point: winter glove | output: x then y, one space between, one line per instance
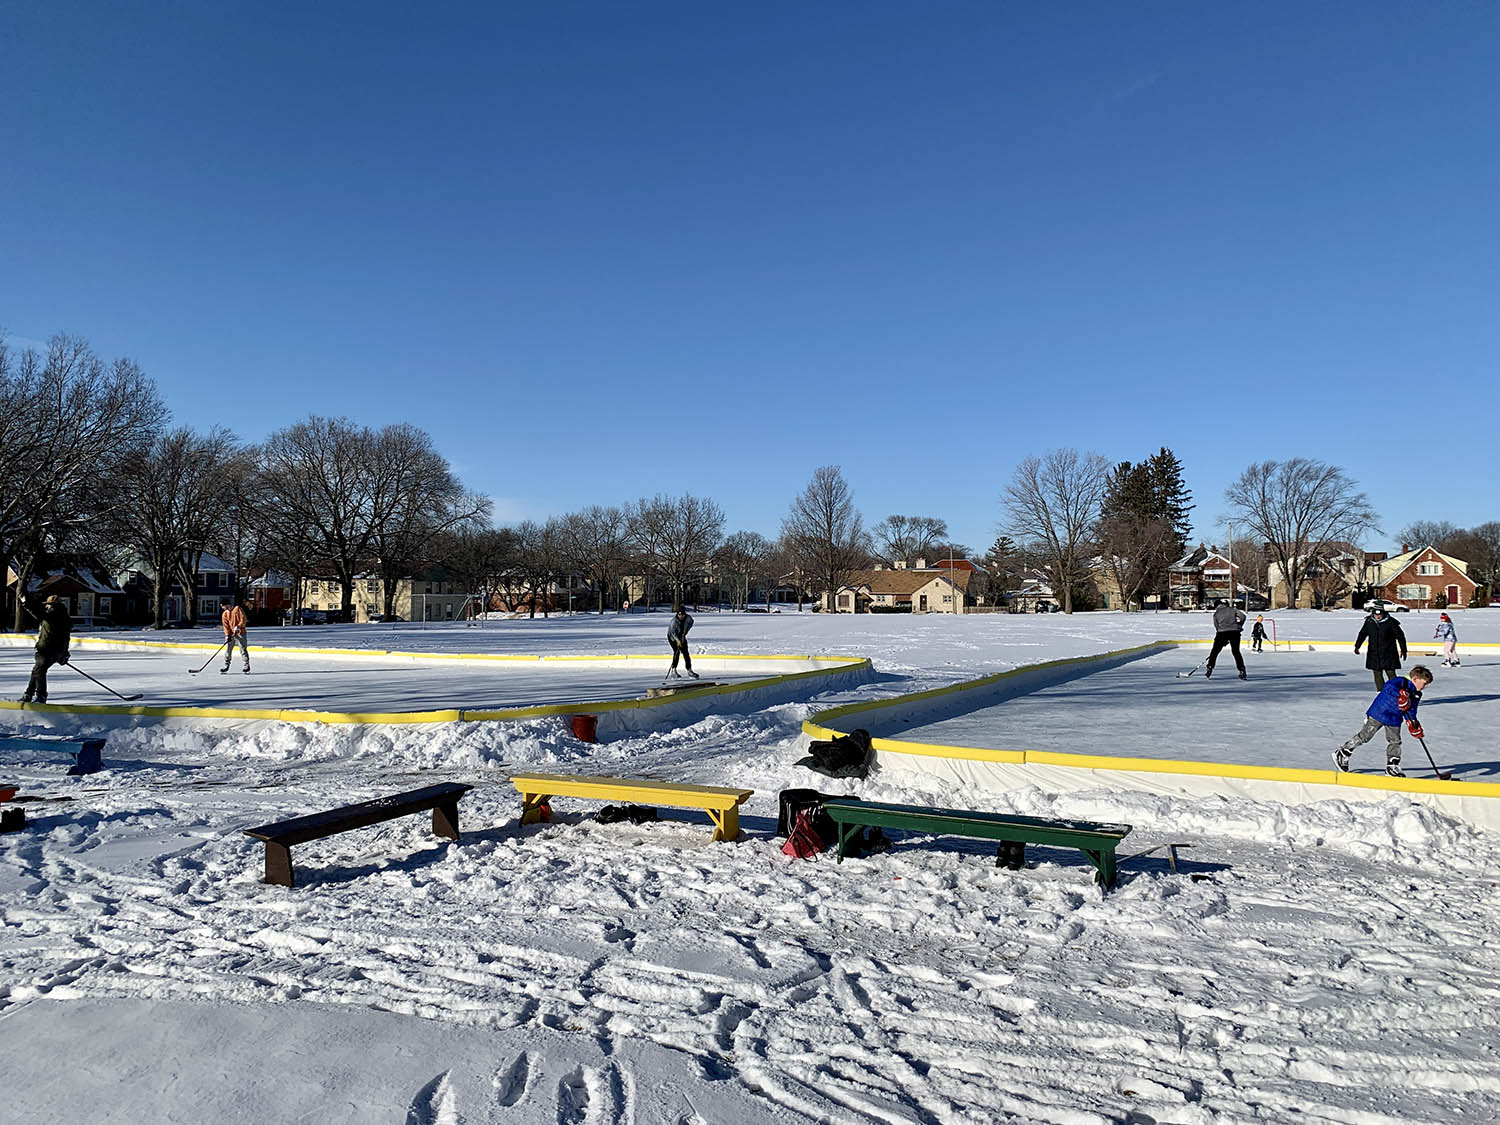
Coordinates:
62 658
1415 728
1403 700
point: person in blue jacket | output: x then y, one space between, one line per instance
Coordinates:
1397 701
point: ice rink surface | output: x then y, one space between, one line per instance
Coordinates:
1295 709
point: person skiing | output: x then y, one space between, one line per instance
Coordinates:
677 633
1228 624
1387 651
1258 632
1397 700
1449 637
232 618
52 638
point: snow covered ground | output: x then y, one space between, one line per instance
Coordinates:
1330 963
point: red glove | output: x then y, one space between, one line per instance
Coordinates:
1415 728
1403 700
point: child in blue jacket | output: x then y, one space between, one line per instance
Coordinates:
1449 636
1397 701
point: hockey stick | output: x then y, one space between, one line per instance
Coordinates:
210 660
106 687
1441 775
1200 664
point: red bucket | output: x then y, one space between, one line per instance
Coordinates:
586 728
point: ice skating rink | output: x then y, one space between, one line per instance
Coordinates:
1295 709
360 682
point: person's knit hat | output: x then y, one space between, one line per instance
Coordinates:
1445 617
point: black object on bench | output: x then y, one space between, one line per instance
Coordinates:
1097 841
279 837
84 751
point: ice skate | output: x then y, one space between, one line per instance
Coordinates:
1243 676
672 674
1394 769
1341 758
692 674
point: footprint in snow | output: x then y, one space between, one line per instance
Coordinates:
434 1104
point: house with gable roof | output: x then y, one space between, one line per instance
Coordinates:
1421 578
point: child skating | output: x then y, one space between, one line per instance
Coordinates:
1449 636
1257 633
1396 702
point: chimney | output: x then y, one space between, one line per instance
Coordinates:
921 564
1405 547
899 564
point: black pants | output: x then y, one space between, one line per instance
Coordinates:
1256 642
1230 637
679 648
36 687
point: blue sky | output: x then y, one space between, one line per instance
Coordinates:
601 251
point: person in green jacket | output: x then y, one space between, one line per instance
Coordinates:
52 639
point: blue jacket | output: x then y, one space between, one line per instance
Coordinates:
1445 632
1387 706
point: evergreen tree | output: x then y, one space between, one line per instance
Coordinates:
1172 499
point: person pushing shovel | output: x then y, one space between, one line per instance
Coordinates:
53 636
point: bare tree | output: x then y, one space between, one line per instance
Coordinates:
67 420
1429 533
742 560
414 497
316 474
1133 551
689 536
479 557
1295 506
541 559
904 539
824 531
172 506
646 530
1055 501
598 543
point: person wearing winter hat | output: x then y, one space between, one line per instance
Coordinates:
1446 634
52 639
1258 633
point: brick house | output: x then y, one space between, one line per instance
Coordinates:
1419 577
1201 577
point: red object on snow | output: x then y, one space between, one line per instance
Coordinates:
586 728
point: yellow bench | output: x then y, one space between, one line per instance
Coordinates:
722 805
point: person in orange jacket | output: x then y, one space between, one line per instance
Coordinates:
233 620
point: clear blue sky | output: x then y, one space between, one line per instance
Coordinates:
605 250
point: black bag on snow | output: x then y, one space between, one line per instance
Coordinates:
794 801
848 755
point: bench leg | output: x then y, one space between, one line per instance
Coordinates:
845 831
726 823
279 865
534 808
87 760
1104 863
445 820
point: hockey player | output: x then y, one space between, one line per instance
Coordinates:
1228 624
1397 701
1258 633
1449 637
232 618
52 639
677 633
1387 651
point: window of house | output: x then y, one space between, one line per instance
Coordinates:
1413 593
373 585
103 604
208 607
1429 568
843 601
427 589
211 580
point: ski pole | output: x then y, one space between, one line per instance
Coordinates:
1441 775
106 687
210 660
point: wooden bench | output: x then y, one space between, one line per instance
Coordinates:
1097 841
722 805
84 751
281 836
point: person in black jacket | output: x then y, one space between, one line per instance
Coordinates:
677 633
1387 645
52 639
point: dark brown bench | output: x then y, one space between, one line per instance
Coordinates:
281 836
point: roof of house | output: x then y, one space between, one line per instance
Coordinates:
1195 558
904 583
1385 572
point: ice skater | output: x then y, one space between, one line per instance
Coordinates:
1258 632
1229 623
232 618
53 636
1449 637
677 633
1396 702
1387 651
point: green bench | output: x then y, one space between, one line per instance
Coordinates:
1097 841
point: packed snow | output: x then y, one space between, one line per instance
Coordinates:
1335 962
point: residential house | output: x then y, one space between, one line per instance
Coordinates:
431 593
1334 573
1202 577
83 583
213 582
1033 595
1421 578
902 590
